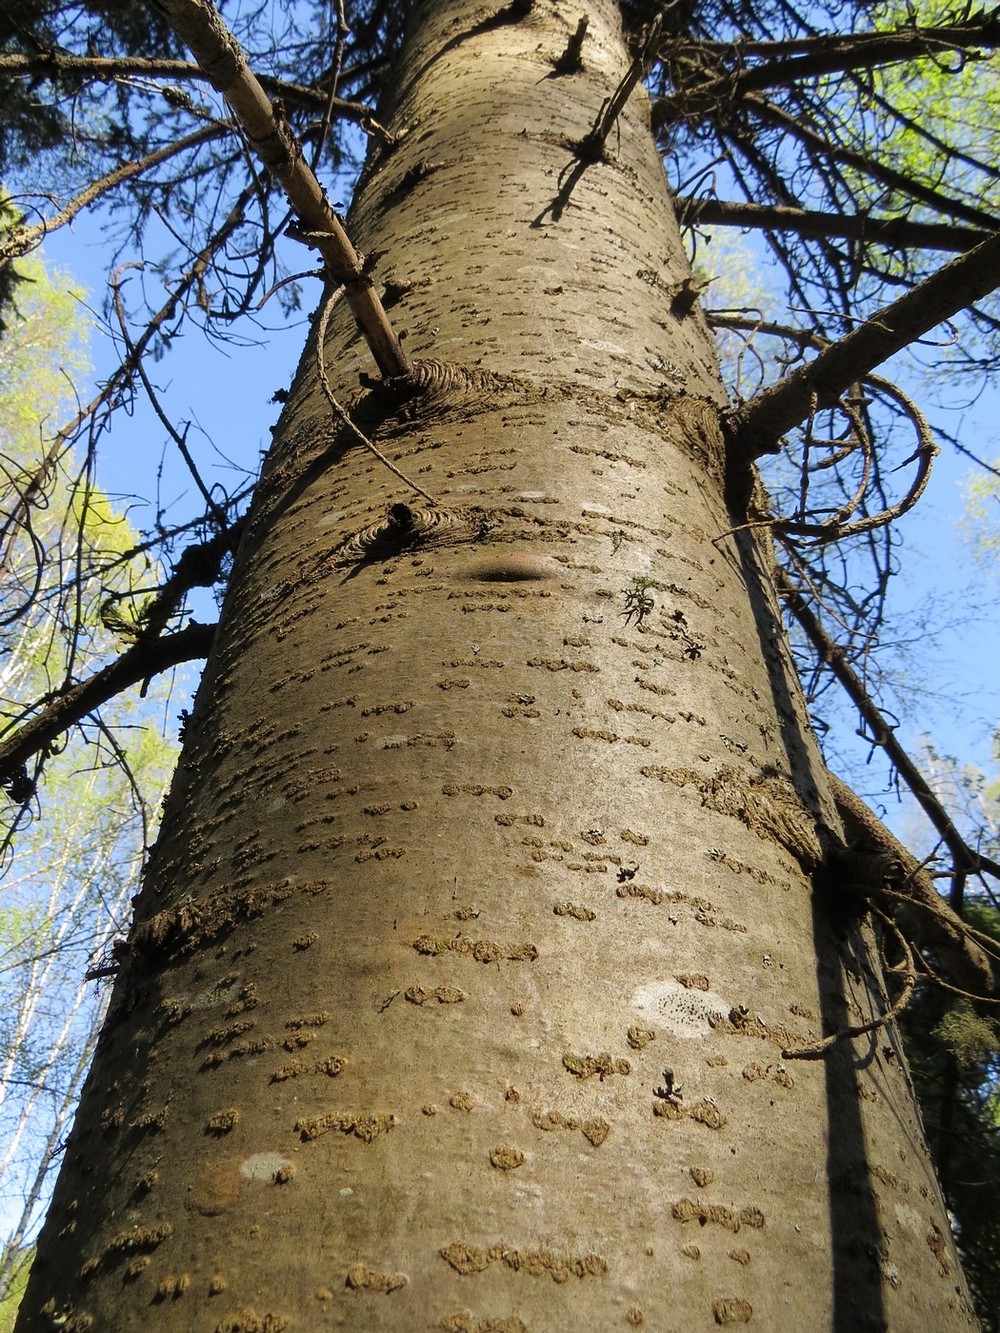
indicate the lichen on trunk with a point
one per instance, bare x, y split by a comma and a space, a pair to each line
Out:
483, 905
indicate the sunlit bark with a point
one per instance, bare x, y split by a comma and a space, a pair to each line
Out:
490, 889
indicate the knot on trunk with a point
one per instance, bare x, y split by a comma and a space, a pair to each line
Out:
430, 386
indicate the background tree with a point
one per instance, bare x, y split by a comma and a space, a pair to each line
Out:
762, 101
984, 492
953, 1054
69, 895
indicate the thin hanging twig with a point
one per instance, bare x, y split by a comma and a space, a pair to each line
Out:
814, 1049
200, 25
135, 358
341, 412
343, 32
757, 427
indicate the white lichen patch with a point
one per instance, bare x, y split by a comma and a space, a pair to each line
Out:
910, 1220
263, 1165
683, 1011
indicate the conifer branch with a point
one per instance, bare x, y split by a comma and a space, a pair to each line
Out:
145, 658
906, 186
200, 26
834, 658
60, 67
758, 427
893, 233
21, 240
710, 73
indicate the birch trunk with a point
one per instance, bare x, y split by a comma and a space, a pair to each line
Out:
487, 897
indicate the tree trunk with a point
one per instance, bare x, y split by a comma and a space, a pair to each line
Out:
486, 896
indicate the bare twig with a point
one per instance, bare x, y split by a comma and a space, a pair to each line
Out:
825, 151
877, 865
836, 528
343, 32
813, 1050
980, 31
341, 412
145, 658
136, 360
590, 148
592, 145
894, 233
23, 239
717, 72
59, 66
286, 282
757, 427
882, 734
222, 58
120, 379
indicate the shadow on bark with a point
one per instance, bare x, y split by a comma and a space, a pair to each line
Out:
856, 1236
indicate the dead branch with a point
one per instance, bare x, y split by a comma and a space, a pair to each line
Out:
58, 67
834, 658
813, 1050
23, 239
216, 510
340, 41
979, 32
893, 233
571, 61
145, 658
824, 151
222, 58
709, 72
198, 566
878, 865
754, 322
120, 379
837, 528
590, 149
757, 427
592, 145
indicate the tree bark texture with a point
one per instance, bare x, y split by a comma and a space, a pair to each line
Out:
489, 890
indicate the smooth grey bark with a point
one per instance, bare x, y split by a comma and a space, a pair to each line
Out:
490, 889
